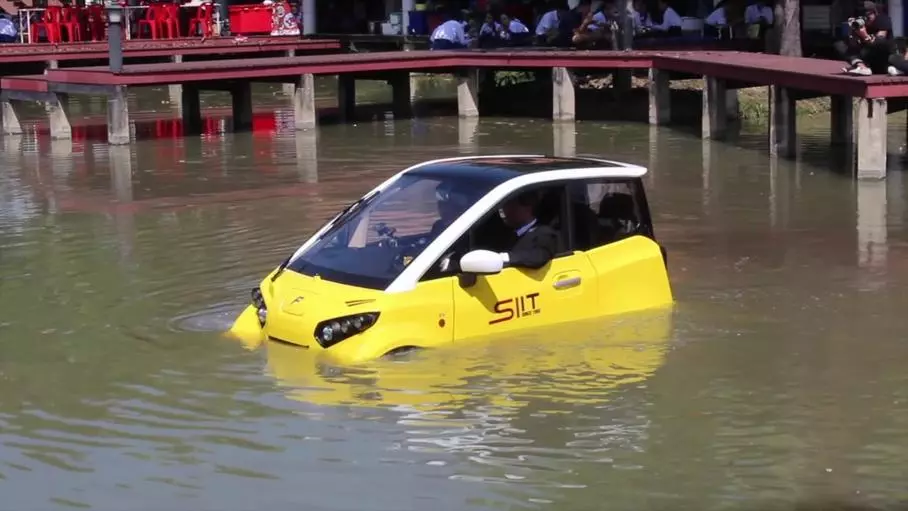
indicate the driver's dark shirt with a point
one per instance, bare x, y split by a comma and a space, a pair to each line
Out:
535, 248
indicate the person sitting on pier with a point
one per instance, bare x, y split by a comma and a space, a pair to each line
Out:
550, 29
450, 35
514, 32
8, 30
670, 25
869, 44
595, 27
759, 14
490, 31
717, 20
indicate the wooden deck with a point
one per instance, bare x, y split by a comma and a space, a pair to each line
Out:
139, 48
789, 78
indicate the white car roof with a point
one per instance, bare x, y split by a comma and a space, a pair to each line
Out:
534, 164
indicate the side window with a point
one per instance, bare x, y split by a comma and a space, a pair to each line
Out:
491, 232
604, 211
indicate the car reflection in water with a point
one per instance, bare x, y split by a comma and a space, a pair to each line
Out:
583, 363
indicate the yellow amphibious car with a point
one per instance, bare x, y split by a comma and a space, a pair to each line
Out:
378, 278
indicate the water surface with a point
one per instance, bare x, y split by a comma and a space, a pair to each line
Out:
778, 378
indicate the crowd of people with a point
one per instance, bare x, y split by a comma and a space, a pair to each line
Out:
589, 24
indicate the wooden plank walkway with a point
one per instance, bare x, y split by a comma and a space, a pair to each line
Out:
788, 78
138, 48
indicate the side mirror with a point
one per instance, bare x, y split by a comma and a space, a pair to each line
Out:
484, 262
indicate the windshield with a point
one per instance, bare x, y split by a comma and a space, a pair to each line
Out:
373, 243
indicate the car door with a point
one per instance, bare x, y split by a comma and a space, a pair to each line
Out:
612, 227
521, 299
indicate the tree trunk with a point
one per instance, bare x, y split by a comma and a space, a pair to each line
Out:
787, 16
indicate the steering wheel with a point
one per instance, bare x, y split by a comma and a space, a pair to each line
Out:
388, 239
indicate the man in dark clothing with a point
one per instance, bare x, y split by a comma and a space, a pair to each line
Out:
536, 243
869, 44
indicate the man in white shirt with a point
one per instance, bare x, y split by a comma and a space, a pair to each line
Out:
450, 35
671, 21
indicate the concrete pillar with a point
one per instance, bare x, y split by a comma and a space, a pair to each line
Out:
732, 106
466, 132
400, 91
118, 117
58, 112
653, 163
309, 27
241, 97
346, 97
289, 88
53, 64
120, 158
563, 103
872, 225
842, 120
715, 101
564, 137
305, 113
10, 118
783, 135
307, 156
872, 131
191, 109
175, 90
660, 111
468, 93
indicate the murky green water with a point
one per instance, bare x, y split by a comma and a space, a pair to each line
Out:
779, 379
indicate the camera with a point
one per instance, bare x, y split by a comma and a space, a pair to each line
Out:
857, 23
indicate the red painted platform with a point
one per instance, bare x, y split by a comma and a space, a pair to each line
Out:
18, 53
815, 75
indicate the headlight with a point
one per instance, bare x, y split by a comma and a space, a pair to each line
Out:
261, 308
332, 331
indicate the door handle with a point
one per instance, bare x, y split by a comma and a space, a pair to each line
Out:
566, 283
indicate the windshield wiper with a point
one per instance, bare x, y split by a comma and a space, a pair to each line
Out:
344, 214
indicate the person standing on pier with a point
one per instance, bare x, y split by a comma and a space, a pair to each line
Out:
869, 44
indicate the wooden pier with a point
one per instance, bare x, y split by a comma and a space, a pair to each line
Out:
789, 80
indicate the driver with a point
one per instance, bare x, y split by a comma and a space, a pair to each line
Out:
536, 243
451, 202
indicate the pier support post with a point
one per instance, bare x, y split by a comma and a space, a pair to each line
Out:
842, 120
191, 109
468, 93
563, 103
305, 113
175, 90
241, 96
60, 128
118, 116
10, 118
715, 101
400, 92
289, 88
732, 105
660, 111
564, 138
783, 135
346, 97
872, 131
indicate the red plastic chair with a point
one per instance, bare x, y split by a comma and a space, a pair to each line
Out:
50, 22
70, 21
204, 20
153, 14
170, 20
96, 22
